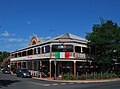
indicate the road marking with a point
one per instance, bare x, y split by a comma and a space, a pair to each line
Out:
71, 83
55, 84
39, 84
47, 85
63, 83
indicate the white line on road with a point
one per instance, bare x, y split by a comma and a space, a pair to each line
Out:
47, 85
55, 84
71, 83
63, 83
39, 84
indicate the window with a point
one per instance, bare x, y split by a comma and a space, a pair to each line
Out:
15, 54
19, 54
78, 49
24, 53
85, 50
38, 50
35, 51
46, 49
30, 52
62, 48
33, 43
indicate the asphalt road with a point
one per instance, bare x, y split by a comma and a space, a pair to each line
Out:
8, 81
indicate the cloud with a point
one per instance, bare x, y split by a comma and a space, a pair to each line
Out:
6, 33
14, 39
12, 47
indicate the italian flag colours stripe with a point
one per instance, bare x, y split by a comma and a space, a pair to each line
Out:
62, 54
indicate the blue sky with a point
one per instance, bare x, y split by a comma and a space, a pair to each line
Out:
22, 19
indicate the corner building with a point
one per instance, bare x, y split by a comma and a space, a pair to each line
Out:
66, 53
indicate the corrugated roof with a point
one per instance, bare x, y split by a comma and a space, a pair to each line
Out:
66, 35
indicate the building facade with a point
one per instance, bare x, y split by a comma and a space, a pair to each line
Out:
66, 53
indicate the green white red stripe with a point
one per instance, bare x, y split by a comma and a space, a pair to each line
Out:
62, 54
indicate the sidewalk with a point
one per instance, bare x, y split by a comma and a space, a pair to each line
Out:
78, 81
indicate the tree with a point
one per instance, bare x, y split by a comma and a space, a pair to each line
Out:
3, 55
105, 39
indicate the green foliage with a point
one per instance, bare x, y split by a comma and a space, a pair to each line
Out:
66, 76
105, 39
3, 55
90, 76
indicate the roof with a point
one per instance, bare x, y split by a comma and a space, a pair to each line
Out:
55, 39
68, 35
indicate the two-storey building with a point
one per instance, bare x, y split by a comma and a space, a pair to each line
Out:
66, 53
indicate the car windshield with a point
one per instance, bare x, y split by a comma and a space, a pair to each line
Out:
24, 70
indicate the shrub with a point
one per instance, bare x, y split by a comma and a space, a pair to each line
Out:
66, 76
106, 75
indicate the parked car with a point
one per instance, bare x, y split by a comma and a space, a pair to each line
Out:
5, 71
23, 73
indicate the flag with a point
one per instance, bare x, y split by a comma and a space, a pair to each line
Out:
62, 55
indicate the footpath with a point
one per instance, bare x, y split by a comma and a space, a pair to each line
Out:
78, 81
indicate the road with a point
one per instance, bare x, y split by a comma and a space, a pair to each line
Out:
8, 81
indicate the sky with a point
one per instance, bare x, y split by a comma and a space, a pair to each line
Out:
20, 20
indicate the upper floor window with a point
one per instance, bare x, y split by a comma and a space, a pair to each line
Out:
85, 50
19, 54
78, 49
24, 53
15, 54
30, 52
46, 49
38, 50
35, 51
62, 48
12, 55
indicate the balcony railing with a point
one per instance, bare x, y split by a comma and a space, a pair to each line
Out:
62, 55
84, 56
80, 55
56, 55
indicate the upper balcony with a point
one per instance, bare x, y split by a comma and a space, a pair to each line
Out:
54, 51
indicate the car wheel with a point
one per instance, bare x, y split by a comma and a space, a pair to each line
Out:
22, 76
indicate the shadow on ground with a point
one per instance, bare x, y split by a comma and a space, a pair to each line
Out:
5, 83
